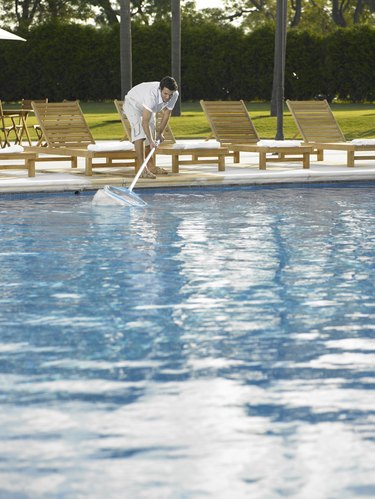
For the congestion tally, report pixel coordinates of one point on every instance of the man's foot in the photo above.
(147, 174)
(156, 170)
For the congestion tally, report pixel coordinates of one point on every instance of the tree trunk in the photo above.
(358, 11)
(176, 51)
(297, 7)
(108, 10)
(125, 48)
(277, 103)
(25, 12)
(337, 13)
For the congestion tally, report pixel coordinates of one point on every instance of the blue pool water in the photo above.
(217, 344)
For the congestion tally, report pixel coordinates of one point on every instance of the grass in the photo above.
(355, 120)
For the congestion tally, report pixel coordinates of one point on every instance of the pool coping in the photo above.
(58, 176)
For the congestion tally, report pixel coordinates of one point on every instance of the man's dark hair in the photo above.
(169, 82)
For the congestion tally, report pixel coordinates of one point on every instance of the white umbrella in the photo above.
(6, 35)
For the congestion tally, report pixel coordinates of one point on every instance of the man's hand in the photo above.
(160, 137)
(146, 116)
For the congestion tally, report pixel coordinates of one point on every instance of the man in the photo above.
(141, 104)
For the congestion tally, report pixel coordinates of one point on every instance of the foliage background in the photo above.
(75, 61)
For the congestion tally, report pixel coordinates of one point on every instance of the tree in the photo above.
(321, 15)
(24, 13)
(338, 9)
(176, 49)
(277, 104)
(316, 15)
(347, 12)
(126, 63)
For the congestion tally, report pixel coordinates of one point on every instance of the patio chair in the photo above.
(8, 126)
(232, 127)
(68, 136)
(27, 107)
(25, 160)
(318, 127)
(199, 152)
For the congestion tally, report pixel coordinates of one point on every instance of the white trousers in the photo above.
(135, 119)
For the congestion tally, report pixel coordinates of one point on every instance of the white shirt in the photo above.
(148, 95)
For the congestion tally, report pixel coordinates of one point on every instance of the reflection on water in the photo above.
(218, 343)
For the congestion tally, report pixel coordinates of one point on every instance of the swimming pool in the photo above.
(219, 343)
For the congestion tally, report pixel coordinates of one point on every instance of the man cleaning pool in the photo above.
(141, 104)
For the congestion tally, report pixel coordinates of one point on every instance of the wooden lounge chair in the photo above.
(319, 128)
(26, 160)
(232, 127)
(200, 153)
(68, 136)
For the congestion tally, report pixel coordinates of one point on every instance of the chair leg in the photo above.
(18, 133)
(262, 161)
(221, 159)
(6, 139)
(350, 158)
(30, 165)
(175, 165)
(88, 167)
(306, 160)
(24, 131)
(39, 134)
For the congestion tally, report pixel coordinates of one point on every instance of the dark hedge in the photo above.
(73, 61)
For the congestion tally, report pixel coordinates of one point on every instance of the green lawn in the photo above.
(356, 120)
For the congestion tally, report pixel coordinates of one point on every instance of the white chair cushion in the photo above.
(279, 143)
(110, 146)
(363, 142)
(213, 144)
(12, 149)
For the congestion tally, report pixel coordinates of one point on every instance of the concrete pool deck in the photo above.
(59, 176)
